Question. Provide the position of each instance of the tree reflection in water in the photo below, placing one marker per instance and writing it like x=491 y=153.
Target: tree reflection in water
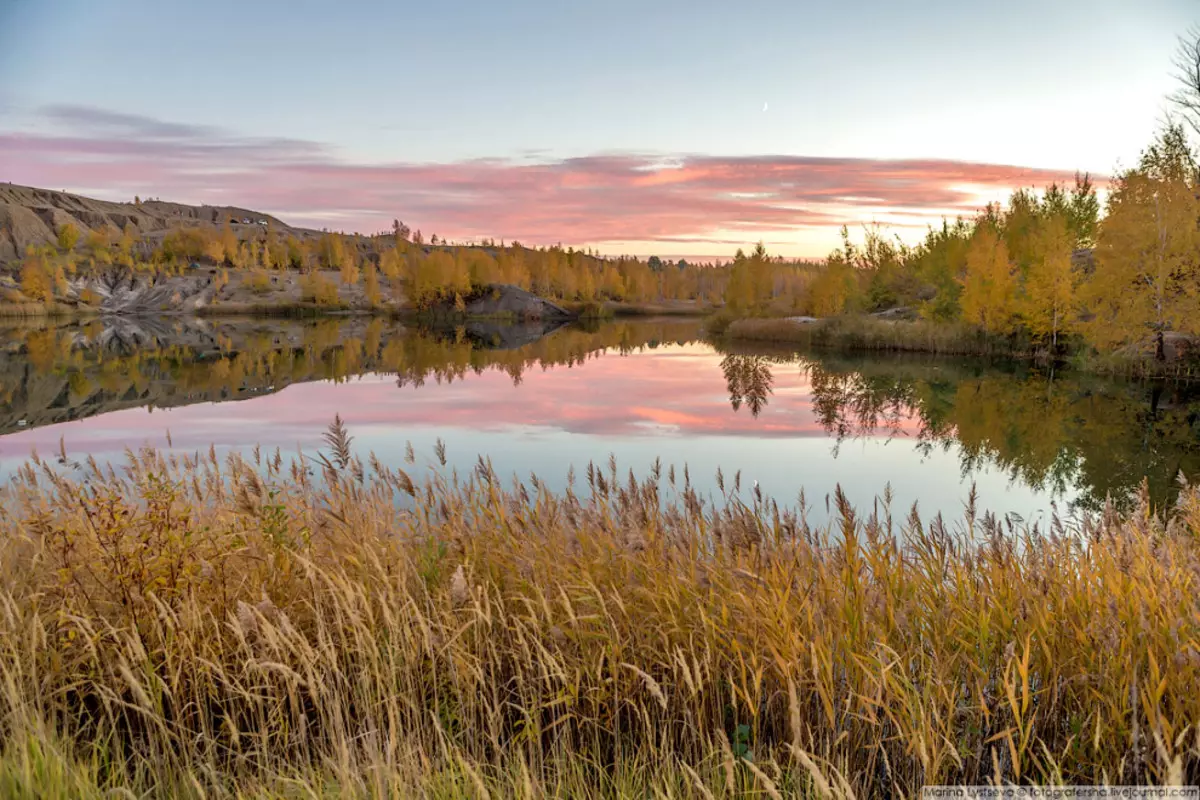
x=1056 y=432
x=748 y=379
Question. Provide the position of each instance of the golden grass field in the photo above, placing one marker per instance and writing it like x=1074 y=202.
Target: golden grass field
x=192 y=627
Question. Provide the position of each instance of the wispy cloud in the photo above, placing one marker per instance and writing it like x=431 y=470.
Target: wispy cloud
x=624 y=197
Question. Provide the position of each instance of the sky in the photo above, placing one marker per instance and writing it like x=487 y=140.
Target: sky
x=651 y=127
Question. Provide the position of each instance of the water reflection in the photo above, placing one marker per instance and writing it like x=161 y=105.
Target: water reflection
x=1052 y=432
x=53 y=374
x=748 y=380
x=548 y=398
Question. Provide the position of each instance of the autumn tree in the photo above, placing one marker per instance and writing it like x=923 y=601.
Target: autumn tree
x=989 y=285
x=125 y=244
x=37 y=281
x=331 y=251
x=68 y=237
x=760 y=276
x=1048 y=304
x=739 y=291
x=882 y=262
x=1020 y=224
x=937 y=264
x=391 y=263
x=371 y=285
x=292 y=253
x=349 y=271
x=229 y=245
x=1147 y=274
x=1083 y=212
x=833 y=290
x=98 y=245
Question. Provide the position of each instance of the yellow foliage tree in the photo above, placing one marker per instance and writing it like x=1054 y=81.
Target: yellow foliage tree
x=316 y=288
x=834 y=289
x=68 y=237
x=37 y=282
x=989 y=286
x=739 y=290
x=229 y=245
x=99 y=245
x=349 y=271
x=371 y=285
x=124 y=247
x=1147 y=276
x=258 y=281
x=331 y=251
x=1048 y=305
x=390 y=263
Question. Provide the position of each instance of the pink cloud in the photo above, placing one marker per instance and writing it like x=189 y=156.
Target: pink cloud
x=587 y=200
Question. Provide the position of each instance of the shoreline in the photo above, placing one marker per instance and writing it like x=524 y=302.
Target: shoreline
x=861 y=333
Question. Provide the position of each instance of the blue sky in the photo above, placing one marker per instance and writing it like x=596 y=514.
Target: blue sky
x=1057 y=85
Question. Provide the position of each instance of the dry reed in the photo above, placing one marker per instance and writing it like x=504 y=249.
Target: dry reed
x=185 y=626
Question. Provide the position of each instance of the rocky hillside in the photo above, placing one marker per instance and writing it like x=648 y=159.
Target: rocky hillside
x=30 y=216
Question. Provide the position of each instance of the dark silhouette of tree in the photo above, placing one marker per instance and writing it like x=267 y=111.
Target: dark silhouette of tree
x=1187 y=72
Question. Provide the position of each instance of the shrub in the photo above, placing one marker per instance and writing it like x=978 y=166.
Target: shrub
x=258 y=282
x=37 y=283
x=316 y=288
x=68 y=237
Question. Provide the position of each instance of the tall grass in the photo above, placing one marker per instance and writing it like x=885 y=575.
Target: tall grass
x=186 y=626
x=868 y=333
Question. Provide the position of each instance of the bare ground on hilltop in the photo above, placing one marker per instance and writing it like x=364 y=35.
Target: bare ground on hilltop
x=32 y=216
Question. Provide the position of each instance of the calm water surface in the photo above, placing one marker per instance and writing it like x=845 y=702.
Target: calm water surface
x=540 y=402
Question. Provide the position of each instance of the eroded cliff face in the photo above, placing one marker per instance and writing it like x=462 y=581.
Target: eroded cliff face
x=123 y=292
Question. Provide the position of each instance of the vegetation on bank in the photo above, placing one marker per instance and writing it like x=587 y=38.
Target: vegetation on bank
x=187 y=627
x=855 y=333
x=1044 y=274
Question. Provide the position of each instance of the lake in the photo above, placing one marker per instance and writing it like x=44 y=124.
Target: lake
x=539 y=401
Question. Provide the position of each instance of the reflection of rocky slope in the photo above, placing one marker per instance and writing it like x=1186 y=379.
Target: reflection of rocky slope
x=56 y=374
x=499 y=336
x=52 y=375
